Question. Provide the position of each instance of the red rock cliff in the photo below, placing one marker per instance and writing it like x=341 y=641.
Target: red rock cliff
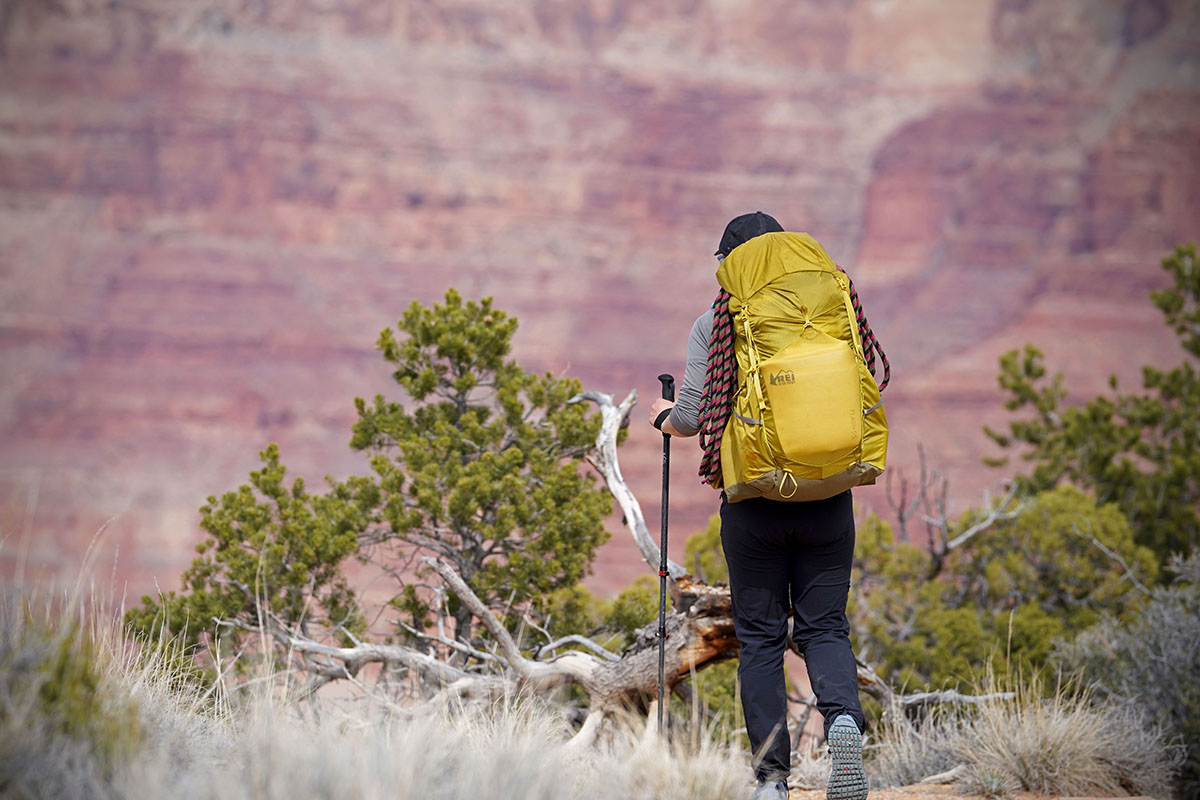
x=209 y=210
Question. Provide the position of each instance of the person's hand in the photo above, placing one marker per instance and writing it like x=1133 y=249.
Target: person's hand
x=658 y=406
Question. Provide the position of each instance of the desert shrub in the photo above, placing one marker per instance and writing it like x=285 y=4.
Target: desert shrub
x=64 y=729
x=1060 y=740
x=1154 y=661
x=903 y=754
x=634 y=607
x=703 y=553
x=610 y=622
x=987 y=781
x=718 y=689
x=1062 y=744
x=1002 y=597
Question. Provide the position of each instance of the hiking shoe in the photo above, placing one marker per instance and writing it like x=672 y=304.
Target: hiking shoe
x=772 y=790
x=847 y=781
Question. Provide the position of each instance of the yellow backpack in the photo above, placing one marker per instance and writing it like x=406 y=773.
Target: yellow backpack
x=807 y=420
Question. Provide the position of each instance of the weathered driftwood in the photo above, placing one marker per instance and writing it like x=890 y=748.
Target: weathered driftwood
x=699 y=633
x=699 y=628
x=604 y=459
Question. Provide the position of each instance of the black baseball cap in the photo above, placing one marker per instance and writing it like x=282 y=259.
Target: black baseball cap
x=744 y=228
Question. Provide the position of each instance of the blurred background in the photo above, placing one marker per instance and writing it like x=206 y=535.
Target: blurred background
x=209 y=210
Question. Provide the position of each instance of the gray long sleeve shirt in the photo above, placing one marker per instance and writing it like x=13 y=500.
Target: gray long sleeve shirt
x=685 y=417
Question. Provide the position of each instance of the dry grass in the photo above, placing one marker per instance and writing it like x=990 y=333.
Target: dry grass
x=84 y=714
x=811 y=772
x=905 y=754
x=511 y=750
x=132 y=729
x=1058 y=743
x=1064 y=744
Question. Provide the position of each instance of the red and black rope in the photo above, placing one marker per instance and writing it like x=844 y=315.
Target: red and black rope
x=720 y=384
x=870 y=344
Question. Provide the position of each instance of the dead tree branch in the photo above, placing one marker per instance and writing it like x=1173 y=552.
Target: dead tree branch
x=918 y=700
x=604 y=459
x=941 y=544
x=903 y=509
x=341 y=662
x=875 y=686
x=1115 y=556
x=575 y=665
x=578 y=639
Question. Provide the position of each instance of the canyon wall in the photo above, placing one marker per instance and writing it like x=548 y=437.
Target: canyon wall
x=209 y=210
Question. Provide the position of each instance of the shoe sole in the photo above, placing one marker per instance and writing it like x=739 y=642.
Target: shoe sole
x=847 y=781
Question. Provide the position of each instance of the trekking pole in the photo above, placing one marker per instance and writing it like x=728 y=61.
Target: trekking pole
x=668 y=393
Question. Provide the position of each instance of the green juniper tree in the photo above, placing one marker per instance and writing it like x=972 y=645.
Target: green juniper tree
x=484 y=470
x=479 y=466
x=1140 y=451
x=271 y=550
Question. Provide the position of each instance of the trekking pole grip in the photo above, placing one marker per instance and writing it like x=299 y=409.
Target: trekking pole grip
x=668 y=386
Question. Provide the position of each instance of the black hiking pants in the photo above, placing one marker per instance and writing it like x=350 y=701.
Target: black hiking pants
x=790 y=557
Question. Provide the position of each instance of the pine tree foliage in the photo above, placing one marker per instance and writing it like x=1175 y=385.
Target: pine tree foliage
x=272 y=547
x=484 y=469
x=481 y=466
x=1141 y=451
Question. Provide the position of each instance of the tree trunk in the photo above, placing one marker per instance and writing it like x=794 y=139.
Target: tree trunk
x=699 y=633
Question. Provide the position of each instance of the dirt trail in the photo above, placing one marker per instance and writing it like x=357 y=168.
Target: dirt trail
x=918 y=792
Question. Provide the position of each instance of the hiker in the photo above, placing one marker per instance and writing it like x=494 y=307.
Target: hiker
x=784 y=553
